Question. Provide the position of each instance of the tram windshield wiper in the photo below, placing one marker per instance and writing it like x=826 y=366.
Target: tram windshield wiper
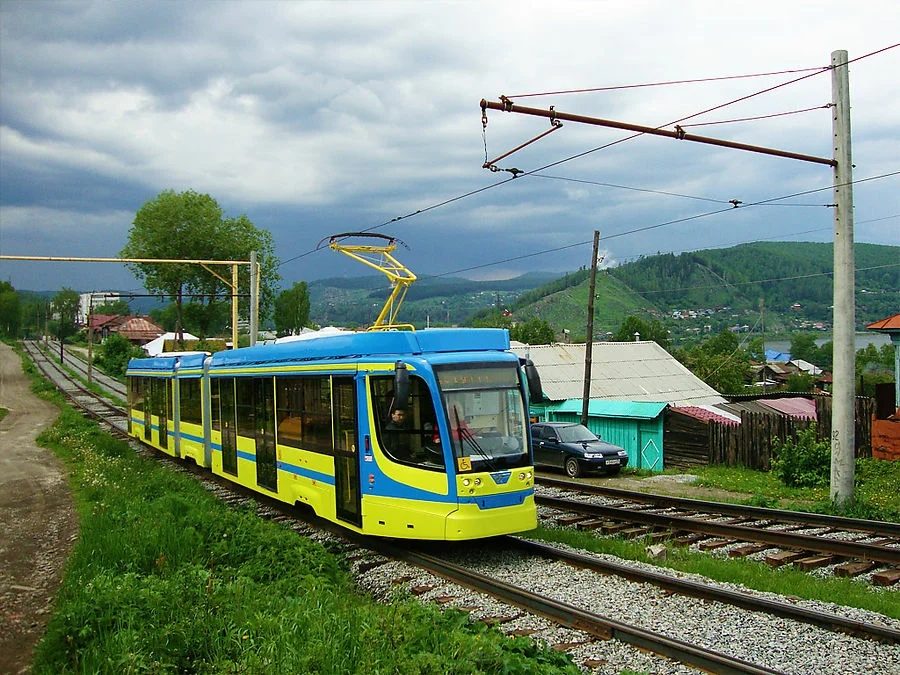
x=465 y=434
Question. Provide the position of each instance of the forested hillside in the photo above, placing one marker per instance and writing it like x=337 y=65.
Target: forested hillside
x=779 y=286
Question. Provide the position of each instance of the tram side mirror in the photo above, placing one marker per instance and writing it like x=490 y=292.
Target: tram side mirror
x=535 y=392
x=401 y=386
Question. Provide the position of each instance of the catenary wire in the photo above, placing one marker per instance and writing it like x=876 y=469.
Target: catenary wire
x=470 y=193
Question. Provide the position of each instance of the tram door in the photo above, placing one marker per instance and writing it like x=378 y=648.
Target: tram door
x=229 y=435
x=147 y=407
x=346 y=456
x=264 y=400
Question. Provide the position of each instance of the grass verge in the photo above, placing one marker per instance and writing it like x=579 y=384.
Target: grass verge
x=165 y=578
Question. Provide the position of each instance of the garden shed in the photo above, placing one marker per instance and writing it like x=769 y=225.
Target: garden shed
x=636 y=426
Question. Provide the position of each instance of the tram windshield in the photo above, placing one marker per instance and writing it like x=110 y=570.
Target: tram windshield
x=485 y=414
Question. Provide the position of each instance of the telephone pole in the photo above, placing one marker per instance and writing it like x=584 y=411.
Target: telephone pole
x=843 y=394
x=589 y=342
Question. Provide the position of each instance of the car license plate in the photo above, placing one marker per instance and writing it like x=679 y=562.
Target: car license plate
x=612 y=461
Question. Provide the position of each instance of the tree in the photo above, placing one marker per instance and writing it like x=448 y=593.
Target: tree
x=719 y=361
x=10 y=311
x=65 y=308
x=192 y=226
x=533 y=332
x=115 y=352
x=292 y=309
x=654 y=330
x=113 y=307
x=803 y=346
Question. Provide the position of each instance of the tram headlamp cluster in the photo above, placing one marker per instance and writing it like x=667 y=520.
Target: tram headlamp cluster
x=468 y=481
x=525 y=475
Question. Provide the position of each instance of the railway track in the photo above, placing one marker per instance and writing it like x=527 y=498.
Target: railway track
x=589 y=632
x=95 y=405
x=810 y=541
x=77 y=361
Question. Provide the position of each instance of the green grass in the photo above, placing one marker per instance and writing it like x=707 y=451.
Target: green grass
x=875 y=492
x=3 y=413
x=165 y=578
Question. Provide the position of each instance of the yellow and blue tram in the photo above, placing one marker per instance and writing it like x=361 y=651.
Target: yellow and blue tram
x=314 y=422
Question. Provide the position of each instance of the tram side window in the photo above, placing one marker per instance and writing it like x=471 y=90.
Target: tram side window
x=410 y=437
x=158 y=398
x=245 y=406
x=136 y=392
x=215 y=412
x=190 y=400
x=303 y=412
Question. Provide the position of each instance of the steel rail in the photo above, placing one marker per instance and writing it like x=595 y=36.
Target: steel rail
x=787 y=540
x=877 y=527
x=576 y=618
x=707 y=592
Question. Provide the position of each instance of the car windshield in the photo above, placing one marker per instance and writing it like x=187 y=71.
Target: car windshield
x=576 y=433
x=486 y=415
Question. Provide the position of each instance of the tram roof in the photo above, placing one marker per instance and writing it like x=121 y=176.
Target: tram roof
x=377 y=344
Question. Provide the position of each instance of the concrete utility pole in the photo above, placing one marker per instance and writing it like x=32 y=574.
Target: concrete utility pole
x=589 y=342
x=254 y=298
x=843 y=410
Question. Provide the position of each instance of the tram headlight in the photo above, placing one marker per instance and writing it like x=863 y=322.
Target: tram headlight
x=466 y=482
x=477 y=482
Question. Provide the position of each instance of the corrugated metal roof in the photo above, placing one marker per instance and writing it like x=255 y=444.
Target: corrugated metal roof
x=707 y=413
x=630 y=409
x=801 y=408
x=624 y=371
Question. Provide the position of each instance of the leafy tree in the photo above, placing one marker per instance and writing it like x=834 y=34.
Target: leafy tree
x=65 y=307
x=756 y=350
x=10 y=311
x=113 y=307
x=801 y=382
x=493 y=320
x=192 y=226
x=719 y=361
x=533 y=332
x=114 y=354
x=292 y=309
x=652 y=330
x=803 y=346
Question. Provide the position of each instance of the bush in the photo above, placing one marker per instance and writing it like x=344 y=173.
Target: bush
x=802 y=461
x=115 y=352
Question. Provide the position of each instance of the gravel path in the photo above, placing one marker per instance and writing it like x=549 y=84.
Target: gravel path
x=38 y=523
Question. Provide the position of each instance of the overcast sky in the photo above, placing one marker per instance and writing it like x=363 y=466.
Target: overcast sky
x=314 y=118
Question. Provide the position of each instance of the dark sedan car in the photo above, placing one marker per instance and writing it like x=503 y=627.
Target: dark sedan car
x=575 y=448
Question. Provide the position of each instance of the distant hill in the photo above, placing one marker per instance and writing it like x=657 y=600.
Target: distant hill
x=701 y=291
x=356 y=301
x=724 y=288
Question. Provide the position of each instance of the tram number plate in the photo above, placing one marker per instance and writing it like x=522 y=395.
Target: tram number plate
x=612 y=461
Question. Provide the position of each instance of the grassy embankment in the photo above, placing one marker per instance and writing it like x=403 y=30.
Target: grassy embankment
x=165 y=578
x=876 y=497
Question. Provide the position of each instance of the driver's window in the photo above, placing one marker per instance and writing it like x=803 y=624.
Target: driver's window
x=408 y=435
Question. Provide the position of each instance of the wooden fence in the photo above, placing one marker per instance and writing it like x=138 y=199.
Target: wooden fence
x=690 y=442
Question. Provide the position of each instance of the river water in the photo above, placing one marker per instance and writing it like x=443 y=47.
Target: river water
x=862 y=341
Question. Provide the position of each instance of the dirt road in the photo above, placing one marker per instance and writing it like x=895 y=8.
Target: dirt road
x=38 y=523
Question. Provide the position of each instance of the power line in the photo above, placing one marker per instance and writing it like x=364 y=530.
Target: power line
x=667 y=83
x=652 y=227
x=445 y=202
